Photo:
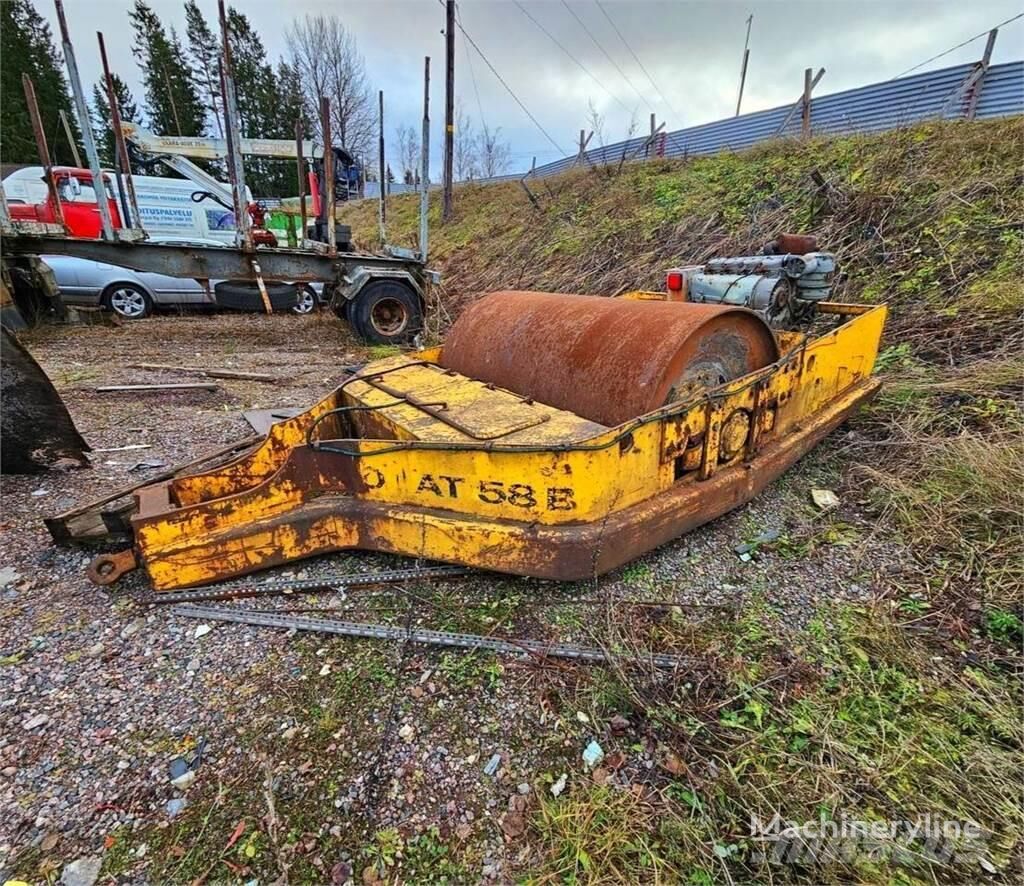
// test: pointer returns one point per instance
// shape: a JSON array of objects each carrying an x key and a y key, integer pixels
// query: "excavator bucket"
[
  {"x": 37, "y": 428},
  {"x": 554, "y": 436}
]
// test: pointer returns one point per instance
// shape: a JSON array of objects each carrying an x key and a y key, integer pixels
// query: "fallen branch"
[{"x": 210, "y": 373}]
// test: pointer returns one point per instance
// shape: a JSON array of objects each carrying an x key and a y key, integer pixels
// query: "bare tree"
[
  {"x": 467, "y": 161},
  {"x": 492, "y": 153},
  {"x": 408, "y": 153},
  {"x": 329, "y": 64}
]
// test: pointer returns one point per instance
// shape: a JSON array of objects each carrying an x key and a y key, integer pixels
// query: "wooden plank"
[
  {"x": 211, "y": 373},
  {"x": 125, "y": 389}
]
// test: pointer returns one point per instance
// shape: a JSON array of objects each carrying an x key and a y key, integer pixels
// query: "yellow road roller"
[{"x": 553, "y": 435}]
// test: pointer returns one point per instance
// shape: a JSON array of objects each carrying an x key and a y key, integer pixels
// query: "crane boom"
[
  {"x": 175, "y": 151},
  {"x": 203, "y": 148}
]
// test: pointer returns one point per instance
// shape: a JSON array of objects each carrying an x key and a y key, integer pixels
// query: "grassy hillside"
[{"x": 916, "y": 700}]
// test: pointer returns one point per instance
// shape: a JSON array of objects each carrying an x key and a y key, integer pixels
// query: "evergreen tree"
[
  {"x": 292, "y": 108},
  {"x": 172, "y": 98},
  {"x": 204, "y": 49},
  {"x": 26, "y": 46},
  {"x": 102, "y": 124},
  {"x": 267, "y": 107}
]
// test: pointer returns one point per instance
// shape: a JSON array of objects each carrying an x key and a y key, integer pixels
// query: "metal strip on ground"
[
  {"x": 432, "y": 638},
  {"x": 305, "y": 585}
]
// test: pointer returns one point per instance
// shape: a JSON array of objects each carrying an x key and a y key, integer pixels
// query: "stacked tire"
[{"x": 246, "y": 296}]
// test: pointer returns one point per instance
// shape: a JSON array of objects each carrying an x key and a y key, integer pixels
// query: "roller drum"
[{"x": 607, "y": 360}]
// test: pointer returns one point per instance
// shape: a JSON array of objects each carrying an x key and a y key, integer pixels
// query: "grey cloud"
[{"x": 691, "y": 49}]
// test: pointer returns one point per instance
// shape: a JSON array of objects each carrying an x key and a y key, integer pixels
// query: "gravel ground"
[{"x": 316, "y": 743}]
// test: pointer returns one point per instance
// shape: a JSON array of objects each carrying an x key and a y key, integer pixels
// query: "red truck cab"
[{"x": 78, "y": 202}]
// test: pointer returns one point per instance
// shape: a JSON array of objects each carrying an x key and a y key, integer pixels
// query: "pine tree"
[
  {"x": 172, "y": 98},
  {"x": 102, "y": 123},
  {"x": 204, "y": 49},
  {"x": 26, "y": 46},
  {"x": 292, "y": 109},
  {"x": 267, "y": 107}
]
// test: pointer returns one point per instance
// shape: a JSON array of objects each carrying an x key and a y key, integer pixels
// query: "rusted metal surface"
[
  {"x": 607, "y": 360},
  {"x": 322, "y": 521},
  {"x": 328, "y": 207},
  {"x": 792, "y": 244},
  {"x": 540, "y": 501},
  {"x": 108, "y": 568},
  {"x": 211, "y": 262},
  {"x": 36, "y": 427},
  {"x": 233, "y": 132},
  {"x": 119, "y": 143},
  {"x": 88, "y": 140},
  {"x": 39, "y": 131},
  {"x": 504, "y": 645},
  {"x": 93, "y": 521},
  {"x": 310, "y": 585}
]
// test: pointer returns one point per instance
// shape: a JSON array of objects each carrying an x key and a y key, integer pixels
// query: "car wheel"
[
  {"x": 128, "y": 300},
  {"x": 386, "y": 312},
  {"x": 308, "y": 301}
]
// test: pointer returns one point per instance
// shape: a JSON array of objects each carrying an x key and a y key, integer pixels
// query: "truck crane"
[{"x": 174, "y": 153}]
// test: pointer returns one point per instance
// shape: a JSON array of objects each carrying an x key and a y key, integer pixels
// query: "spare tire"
[{"x": 239, "y": 296}]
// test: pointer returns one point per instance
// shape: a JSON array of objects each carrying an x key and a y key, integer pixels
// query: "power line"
[
  {"x": 958, "y": 46},
  {"x": 472, "y": 73},
  {"x": 578, "y": 63},
  {"x": 637, "y": 60},
  {"x": 597, "y": 43},
  {"x": 508, "y": 88}
]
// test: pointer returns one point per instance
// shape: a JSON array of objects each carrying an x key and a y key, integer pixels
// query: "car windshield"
[{"x": 76, "y": 190}]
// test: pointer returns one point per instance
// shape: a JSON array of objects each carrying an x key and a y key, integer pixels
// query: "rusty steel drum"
[{"x": 605, "y": 359}]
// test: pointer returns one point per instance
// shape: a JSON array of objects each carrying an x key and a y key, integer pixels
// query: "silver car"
[{"x": 135, "y": 294}]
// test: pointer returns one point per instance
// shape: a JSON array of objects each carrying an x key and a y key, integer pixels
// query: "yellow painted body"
[{"x": 444, "y": 467}]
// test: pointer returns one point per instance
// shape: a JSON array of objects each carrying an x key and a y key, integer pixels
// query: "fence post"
[
  {"x": 986, "y": 59},
  {"x": 806, "y": 110}
]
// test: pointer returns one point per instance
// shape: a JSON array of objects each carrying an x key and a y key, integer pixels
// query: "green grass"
[
  {"x": 380, "y": 352},
  {"x": 868, "y": 728}
]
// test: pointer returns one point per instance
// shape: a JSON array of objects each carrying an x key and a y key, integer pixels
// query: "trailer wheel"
[
  {"x": 128, "y": 300},
  {"x": 386, "y": 312}
]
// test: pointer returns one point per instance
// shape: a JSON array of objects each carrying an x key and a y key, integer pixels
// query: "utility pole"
[
  {"x": 449, "y": 107},
  {"x": 425, "y": 171},
  {"x": 743, "y": 67}
]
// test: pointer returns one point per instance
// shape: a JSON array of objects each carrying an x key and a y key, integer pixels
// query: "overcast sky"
[{"x": 691, "y": 50}]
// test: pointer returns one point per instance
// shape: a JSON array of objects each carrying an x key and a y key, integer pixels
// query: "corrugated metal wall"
[{"x": 887, "y": 105}]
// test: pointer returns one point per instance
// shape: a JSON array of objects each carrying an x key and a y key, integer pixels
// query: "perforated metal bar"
[
  {"x": 431, "y": 638},
  {"x": 327, "y": 582}
]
